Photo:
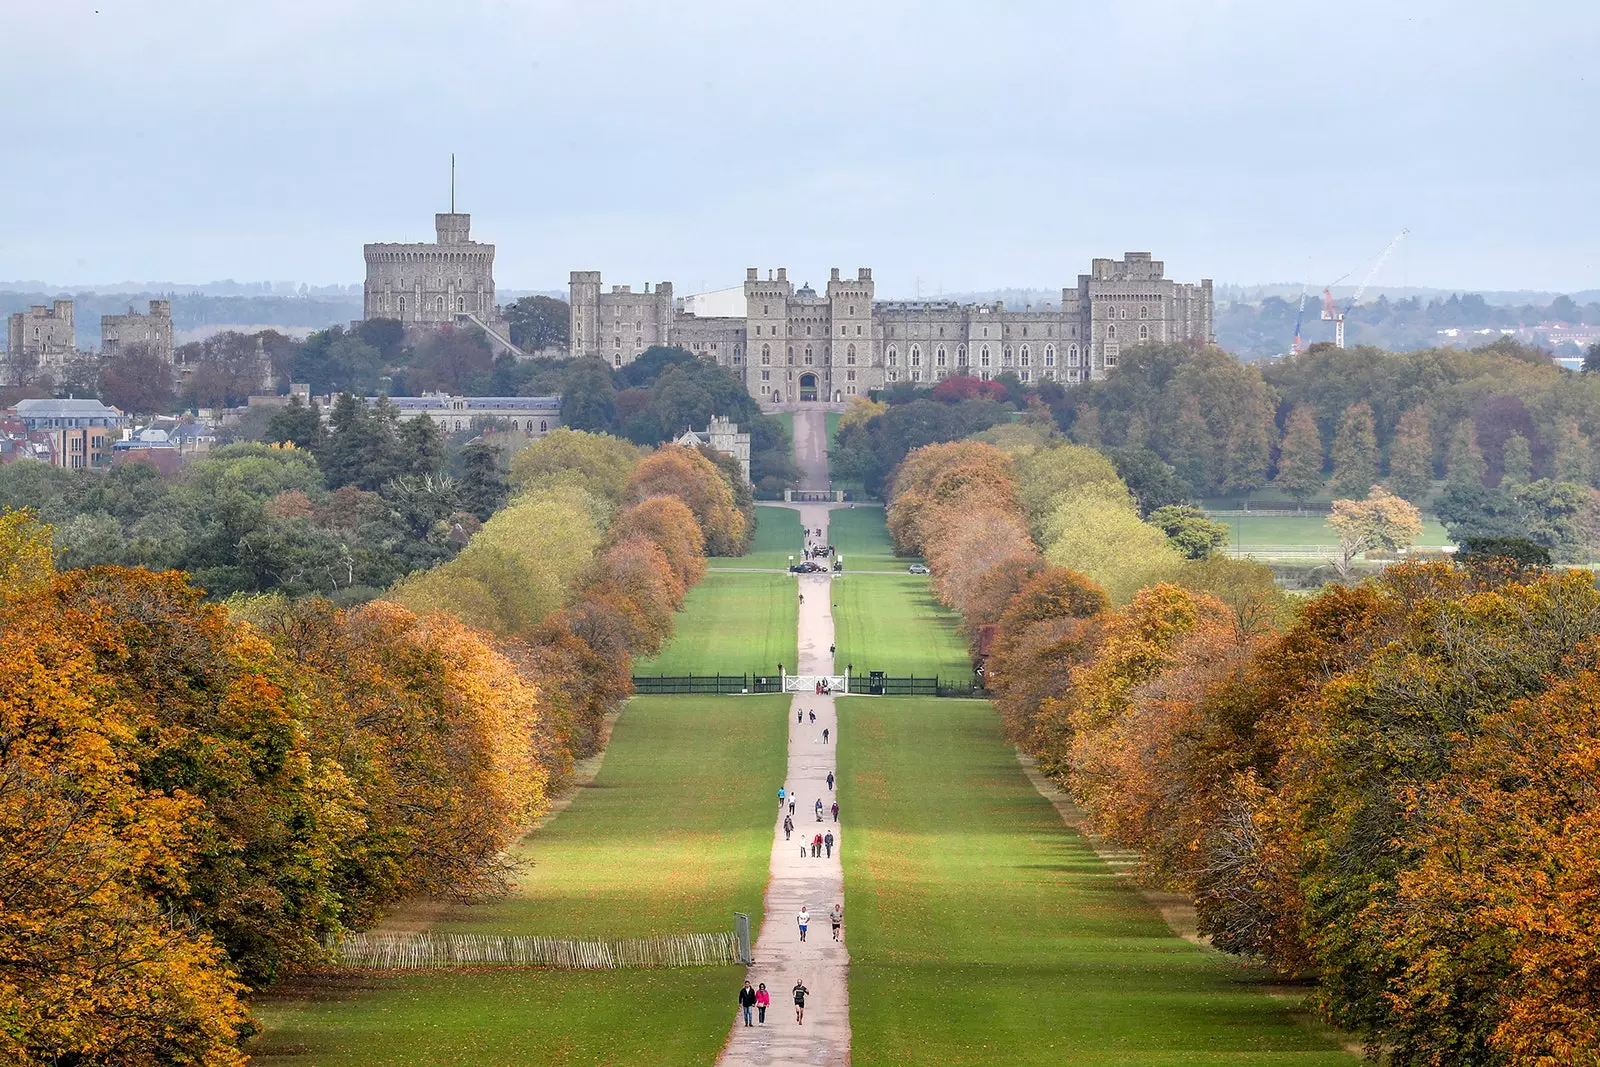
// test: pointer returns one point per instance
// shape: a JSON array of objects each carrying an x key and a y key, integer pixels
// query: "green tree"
[
  {"x": 589, "y": 397},
  {"x": 1190, "y": 447},
  {"x": 1355, "y": 452},
  {"x": 1591, "y": 359},
  {"x": 1152, "y": 480},
  {"x": 1189, "y": 530},
  {"x": 1517, "y": 466},
  {"x": 298, "y": 425},
  {"x": 1467, "y": 466},
  {"x": 420, "y": 447},
  {"x": 1411, "y": 457},
  {"x": 539, "y": 322},
  {"x": 481, "y": 487},
  {"x": 1300, "y": 455},
  {"x": 1248, "y": 450},
  {"x": 1573, "y": 459}
]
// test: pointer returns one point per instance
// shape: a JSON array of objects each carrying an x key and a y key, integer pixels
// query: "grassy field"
[
  {"x": 983, "y": 931},
  {"x": 863, "y": 540},
  {"x": 833, "y": 427},
  {"x": 1267, "y": 532},
  {"x": 777, "y": 535},
  {"x": 672, "y": 836},
  {"x": 890, "y": 622},
  {"x": 731, "y": 623}
]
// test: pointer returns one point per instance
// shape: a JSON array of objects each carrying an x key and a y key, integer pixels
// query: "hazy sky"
[{"x": 957, "y": 146}]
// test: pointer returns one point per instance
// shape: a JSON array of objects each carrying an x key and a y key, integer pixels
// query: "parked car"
[
  {"x": 916, "y": 568},
  {"x": 808, "y": 567}
]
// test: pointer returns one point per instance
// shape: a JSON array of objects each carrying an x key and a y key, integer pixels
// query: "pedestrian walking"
[
  {"x": 781, "y": 795},
  {"x": 819, "y": 809},
  {"x": 835, "y": 811},
  {"x": 747, "y": 1000},
  {"x": 800, "y": 992},
  {"x": 824, "y": 735},
  {"x": 813, "y": 717},
  {"x": 763, "y": 998},
  {"x": 827, "y": 842},
  {"x": 816, "y": 846},
  {"x": 791, "y": 805},
  {"x": 799, "y": 716},
  {"x": 830, "y": 785},
  {"x": 835, "y": 918},
  {"x": 830, "y": 650},
  {"x": 803, "y": 920},
  {"x": 788, "y": 827}
]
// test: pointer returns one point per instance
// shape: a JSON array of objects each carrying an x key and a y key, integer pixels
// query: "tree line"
[
  {"x": 195, "y": 797},
  {"x": 1390, "y": 788}
]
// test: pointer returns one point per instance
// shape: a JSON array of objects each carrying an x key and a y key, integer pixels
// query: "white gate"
[{"x": 837, "y": 684}]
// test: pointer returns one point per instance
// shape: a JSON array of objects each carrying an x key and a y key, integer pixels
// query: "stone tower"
[{"x": 432, "y": 284}]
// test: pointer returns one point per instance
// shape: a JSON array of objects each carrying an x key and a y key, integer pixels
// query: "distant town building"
[
  {"x": 82, "y": 431},
  {"x": 796, "y": 344},
  {"x": 535, "y": 415},
  {"x": 40, "y": 342},
  {"x": 447, "y": 283},
  {"x": 19, "y": 442},
  {"x": 154, "y": 331},
  {"x": 723, "y": 436}
]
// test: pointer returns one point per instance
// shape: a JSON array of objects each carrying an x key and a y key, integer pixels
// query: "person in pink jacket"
[{"x": 763, "y": 998}]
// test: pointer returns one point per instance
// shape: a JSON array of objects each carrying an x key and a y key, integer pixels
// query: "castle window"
[
  {"x": 808, "y": 331},
  {"x": 849, "y": 375},
  {"x": 893, "y": 376},
  {"x": 617, "y": 360},
  {"x": 851, "y": 390},
  {"x": 852, "y": 309},
  {"x": 402, "y": 306},
  {"x": 850, "y": 358},
  {"x": 1144, "y": 333},
  {"x": 1049, "y": 355},
  {"x": 1144, "y": 312},
  {"x": 738, "y": 356},
  {"x": 1072, "y": 357},
  {"x": 636, "y": 326},
  {"x": 808, "y": 355},
  {"x": 1005, "y": 357},
  {"x": 1111, "y": 333},
  {"x": 842, "y": 329},
  {"x": 916, "y": 376},
  {"x": 1024, "y": 373},
  {"x": 1023, "y": 353},
  {"x": 766, "y": 355},
  {"x": 983, "y": 357},
  {"x": 1049, "y": 331},
  {"x": 916, "y": 356},
  {"x": 441, "y": 305},
  {"x": 893, "y": 356},
  {"x": 766, "y": 376},
  {"x": 1024, "y": 331},
  {"x": 544, "y": 427},
  {"x": 938, "y": 357},
  {"x": 941, "y": 331},
  {"x": 791, "y": 355},
  {"x": 858, "y": 331},
  {"x": 961, "y": 355},
  {"x": 1124, "y": 312},
  {"x": 986, "y": 331},
  {"x": 766, "y": 310},
  {"x": 616, "y": 342},
  {"x": 461, "y": 303}
]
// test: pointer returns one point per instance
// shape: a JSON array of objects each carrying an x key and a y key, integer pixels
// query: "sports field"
[
  {"x": 731, "y": 623},
  {"x": 672, "y": 836},
  {"x": 777, "y": 537},
  {"x": 1265, "y": 535},
  {"x": 983, "y": 931}
]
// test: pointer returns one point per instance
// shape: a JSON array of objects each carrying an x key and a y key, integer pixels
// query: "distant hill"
[{"x": 192, "y": 311}]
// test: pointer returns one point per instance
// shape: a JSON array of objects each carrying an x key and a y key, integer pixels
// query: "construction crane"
[
  {"x": 1299, "y": 317},
  {"x": 1330, "y": 311}
]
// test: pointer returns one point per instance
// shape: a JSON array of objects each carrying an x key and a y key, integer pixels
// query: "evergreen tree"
[
  {"x": 298, "y": 425},
  {"x": 342, "y": 453},
  {"x": 420, "y": 447},
  {"x": 379, "y": 447},
  {"x": 1591, "y": 359},
  {"x": 1518, "y": 461},
  {"x": 1138, "y": 435},
  {"x": 1086, "y": 428},
  {"x": 1355, "y": 453},
  {"x": 1573, "y": 454},
  {"x": 482, "y": 486},
  {"x": 1467, "y": 466},
  {"x": 1249, "y": 445},
  {"x": 1300, "y": 455},
  {"x": 1190, "y": 447},
  {"x": 589, "y": 397},
  {"x": 1411, "y": 457}
]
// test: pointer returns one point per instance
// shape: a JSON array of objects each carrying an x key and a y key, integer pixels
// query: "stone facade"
[
  {"x": 534, "y": 415},
  {"x": 449, "y": 282},
  {"x": 40, "y": 342},
  {"x": 797, "y": 344},
  {"x": 723, "y": 436},
  {"x": 118, "y": 332}
]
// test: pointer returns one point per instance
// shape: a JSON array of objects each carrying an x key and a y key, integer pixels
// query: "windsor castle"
[{"x": 787, "y": 343}]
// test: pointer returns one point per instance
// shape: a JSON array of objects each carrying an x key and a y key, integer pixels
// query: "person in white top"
[{"x": 804, "y": 919}]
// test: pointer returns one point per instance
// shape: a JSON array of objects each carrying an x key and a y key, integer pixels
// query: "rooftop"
[{"x": 49, "y": 408}]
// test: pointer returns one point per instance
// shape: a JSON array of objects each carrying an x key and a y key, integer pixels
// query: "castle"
[
  {"x": 42, "y": 343},
  {"x": 795, "y": 344},
  {"x": 446, "y": 283}
]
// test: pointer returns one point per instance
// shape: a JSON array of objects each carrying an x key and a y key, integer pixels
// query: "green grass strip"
[
  {"x": 862, "y": 538},
  {"x": 891, "y": 623},
  {"x": 778, "y": 536},
  {"x": 983, "y": 931},
  {"x": 732, "y": 623}
]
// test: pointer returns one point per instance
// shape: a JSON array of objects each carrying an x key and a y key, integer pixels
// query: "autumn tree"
[
  {"x": 1300, "y": 456},
  {"x": 138, "y": 380},
  {"x": 1381, "y": 521},
  {"x": 596, "y": 462},
  {"x": 1355, "y": 452},
  {"x": 1047, "y": 627},
  {"x": 1097, "y": 530},
  {"x": 1411, "y": 457},
  {"x": 692, "y": 478}
]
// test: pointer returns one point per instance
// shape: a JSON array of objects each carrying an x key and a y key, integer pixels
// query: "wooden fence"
[{"x": 434, "y": 950}]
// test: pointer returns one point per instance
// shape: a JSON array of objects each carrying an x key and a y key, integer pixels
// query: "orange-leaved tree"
[{"x": 684, "y": 473}]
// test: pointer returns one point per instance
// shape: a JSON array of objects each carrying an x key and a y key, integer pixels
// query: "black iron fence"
[
  {"x": 679, "y": 684},
  {"x": 880, "y": 683}
]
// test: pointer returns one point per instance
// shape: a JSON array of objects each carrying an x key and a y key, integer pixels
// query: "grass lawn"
[
  {"x": 833, "y": 427},
  {"x": 984, "y": 931},
  {"x": 778, "y": 535},
  {"x": 731, "y": 623},
  {"x": 1267, "y": 532},
  {"x": 891, "y": 623},
  {"x": 674, "y": 835},
  {"x": 863, "y": 539}
]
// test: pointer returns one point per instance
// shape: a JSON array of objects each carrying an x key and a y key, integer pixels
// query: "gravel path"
[{"x": 781, "y": 958}]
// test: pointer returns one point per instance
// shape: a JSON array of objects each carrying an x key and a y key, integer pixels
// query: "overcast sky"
[{"x": 951, "y": 146}]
